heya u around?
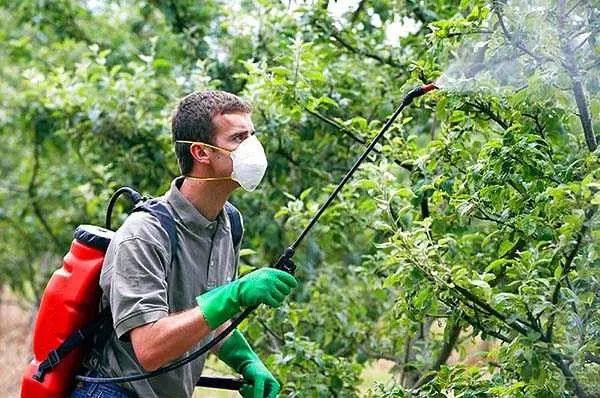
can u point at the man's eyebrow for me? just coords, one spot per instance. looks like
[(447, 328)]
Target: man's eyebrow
[(231, 134)]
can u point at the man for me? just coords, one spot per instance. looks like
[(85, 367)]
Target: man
[(162, 309)]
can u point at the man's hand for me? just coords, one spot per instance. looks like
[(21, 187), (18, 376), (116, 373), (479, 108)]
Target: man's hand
[(262, 383), (267, 286), (237, 353), (264, 286)]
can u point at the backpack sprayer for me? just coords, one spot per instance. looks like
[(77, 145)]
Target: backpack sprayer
[(284, 263)]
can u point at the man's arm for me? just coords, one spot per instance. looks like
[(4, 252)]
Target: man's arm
[(158, 343), (170, 337)]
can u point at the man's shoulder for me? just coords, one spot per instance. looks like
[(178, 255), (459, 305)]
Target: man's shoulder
[(143, 226)]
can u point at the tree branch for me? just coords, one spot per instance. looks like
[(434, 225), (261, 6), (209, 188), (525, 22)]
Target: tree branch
[(333, 123), (592, 358), (569, 376), (565, 270), (451, 333), (361, 52), (515, 42), (466, 296), (570, 66), (404, 372), (492, 311), (476, 324), (279, 339), (344, 43), (358, 10), (350, 134), (486, 110), (381, 355)]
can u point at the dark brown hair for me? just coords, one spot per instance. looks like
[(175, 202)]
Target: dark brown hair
[(192, 120)]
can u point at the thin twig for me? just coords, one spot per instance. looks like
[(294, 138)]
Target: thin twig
[(515, 42), (569, 376), (352, 135), (32, 192)]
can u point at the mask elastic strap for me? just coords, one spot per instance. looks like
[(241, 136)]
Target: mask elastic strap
[(208, 178), (202, 143)]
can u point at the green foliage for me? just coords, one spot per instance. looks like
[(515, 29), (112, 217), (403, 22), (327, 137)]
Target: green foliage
[(475, 219)]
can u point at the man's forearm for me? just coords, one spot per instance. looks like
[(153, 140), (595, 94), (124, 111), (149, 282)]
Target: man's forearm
[(169, 338), (161, 342)]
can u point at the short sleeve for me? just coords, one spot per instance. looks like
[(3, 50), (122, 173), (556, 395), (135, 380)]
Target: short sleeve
[(137, 290)]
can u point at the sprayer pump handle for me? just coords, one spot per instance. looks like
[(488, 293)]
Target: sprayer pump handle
[(285, 262)]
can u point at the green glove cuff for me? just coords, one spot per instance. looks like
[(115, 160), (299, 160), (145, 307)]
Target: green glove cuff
[(219, 304), (264, 286), (236, 352)]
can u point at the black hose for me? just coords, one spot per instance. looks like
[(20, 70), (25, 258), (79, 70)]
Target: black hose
[(201, 351), (131, 194)]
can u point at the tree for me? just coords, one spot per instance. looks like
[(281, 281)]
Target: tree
[(475, 218)]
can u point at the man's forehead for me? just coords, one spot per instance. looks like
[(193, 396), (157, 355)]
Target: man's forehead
[(233, 121)]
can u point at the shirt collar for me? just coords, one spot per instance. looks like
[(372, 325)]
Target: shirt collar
[(187, 212)]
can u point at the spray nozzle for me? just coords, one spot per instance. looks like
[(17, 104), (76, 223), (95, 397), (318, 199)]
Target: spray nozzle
[(429, 87), (419, 91)]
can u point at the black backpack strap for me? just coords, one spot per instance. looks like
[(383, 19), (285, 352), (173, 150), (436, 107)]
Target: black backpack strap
[(235, 219), (159, 210), (76, 339)]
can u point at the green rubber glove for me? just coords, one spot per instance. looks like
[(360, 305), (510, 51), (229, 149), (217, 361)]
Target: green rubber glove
[(265, 286), (237, 353)]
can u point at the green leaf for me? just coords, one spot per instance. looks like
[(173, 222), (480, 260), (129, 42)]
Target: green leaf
[(480, 283), (280, 71), (246, 252), (488, 238), (289, 196), (391, 280), (367, 184), (244, 269), (404, 192), (558, 271), (497, 264), (305, 193), (506, 246), (328, 101)]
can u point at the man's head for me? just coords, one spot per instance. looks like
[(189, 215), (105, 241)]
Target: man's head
[(214, 117)]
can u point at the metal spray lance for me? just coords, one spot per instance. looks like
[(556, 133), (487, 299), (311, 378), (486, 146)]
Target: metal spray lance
[(283, 262)]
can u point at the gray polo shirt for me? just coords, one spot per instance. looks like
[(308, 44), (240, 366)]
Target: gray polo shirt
[(142, 285)]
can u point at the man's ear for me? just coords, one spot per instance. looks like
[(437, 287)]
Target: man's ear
[(199, 153)]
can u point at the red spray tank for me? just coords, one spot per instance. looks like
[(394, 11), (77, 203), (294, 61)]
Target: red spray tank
[(70, 301)]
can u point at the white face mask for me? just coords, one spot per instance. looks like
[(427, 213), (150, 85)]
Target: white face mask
[(249, 163)]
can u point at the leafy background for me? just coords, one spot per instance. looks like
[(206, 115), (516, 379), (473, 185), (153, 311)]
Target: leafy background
[(476, 220)]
